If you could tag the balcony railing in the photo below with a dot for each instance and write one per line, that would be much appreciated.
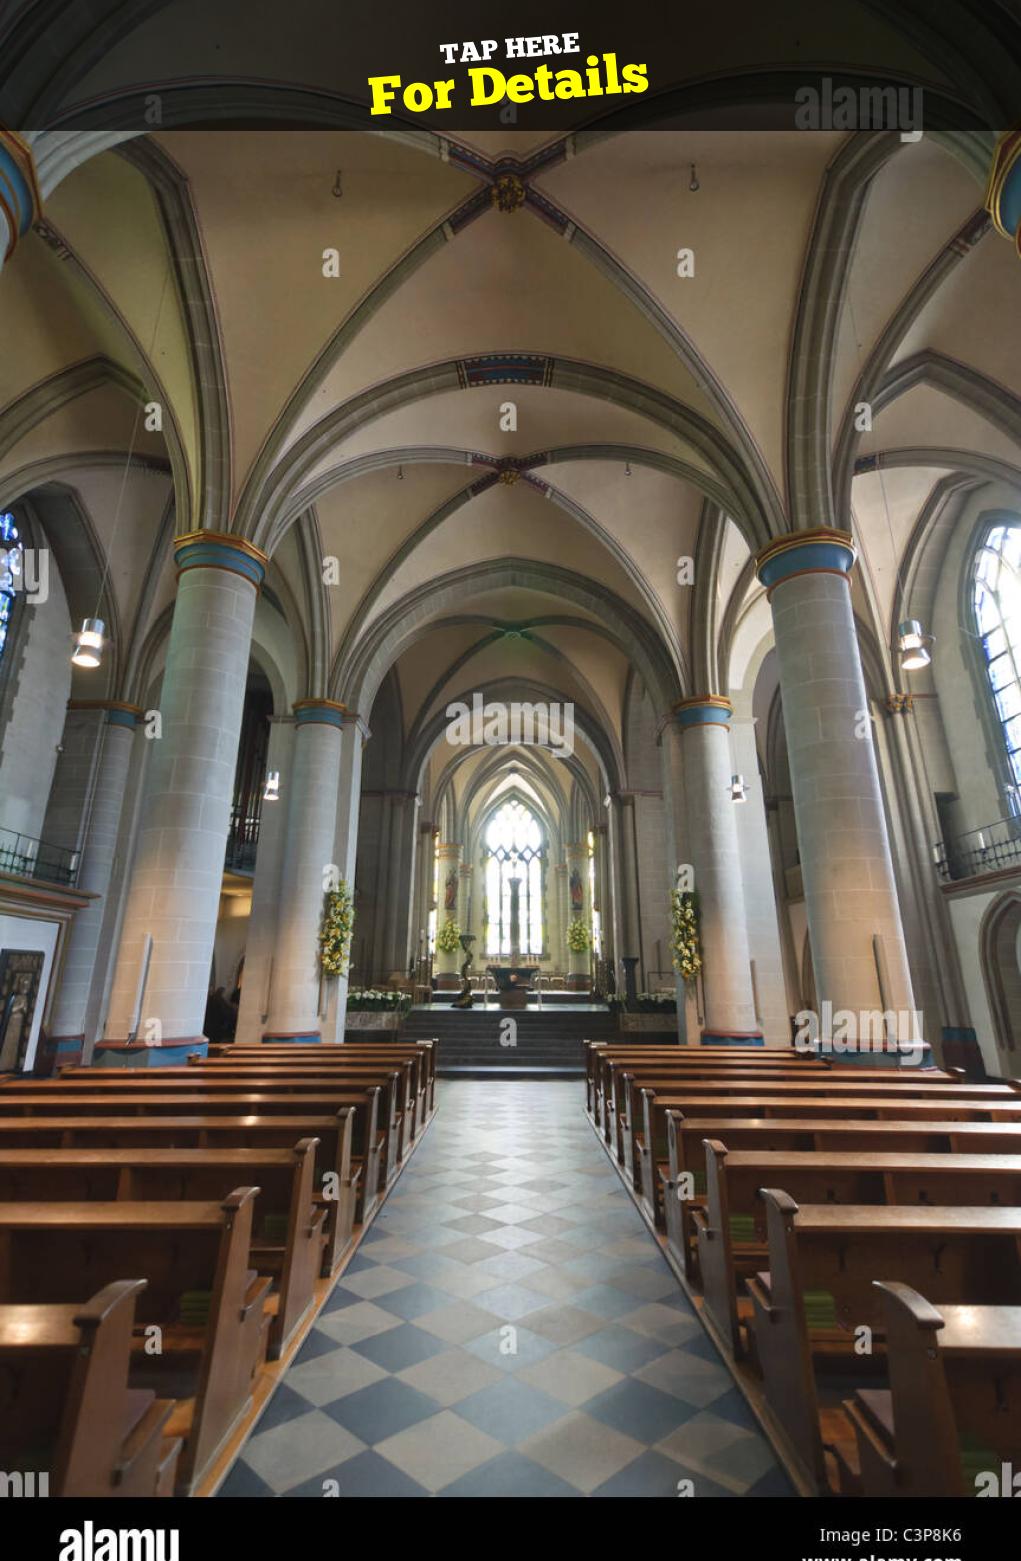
(26, 857)
(242, 842)
(991, 849)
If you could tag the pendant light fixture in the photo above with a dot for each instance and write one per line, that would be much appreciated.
(913, 645)
(88, 643)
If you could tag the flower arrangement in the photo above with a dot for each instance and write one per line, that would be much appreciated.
(335, 931)
(579, 938)
(686, 947)
(371, 999)
(448, 938)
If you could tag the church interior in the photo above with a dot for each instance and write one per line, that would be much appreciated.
(510, 812)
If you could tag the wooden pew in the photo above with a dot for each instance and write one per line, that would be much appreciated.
(686, 1136)
(951, 1418)
(289, 1241)
(601, 1060)
(346, 1201)
(66, 1410)
(619, 1074)
(424, 1052)
(905, 1104)
(421, 1081)
(201, 1294)
(730, 1228)
(163, 1084)
(642, 1128)
(818, 1293)
(371, 1136)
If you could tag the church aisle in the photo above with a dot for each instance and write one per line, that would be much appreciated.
(508, 1328)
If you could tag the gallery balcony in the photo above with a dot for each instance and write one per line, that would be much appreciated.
(25, 857)
(995, 848)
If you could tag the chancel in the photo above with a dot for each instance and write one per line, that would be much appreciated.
(510, 800)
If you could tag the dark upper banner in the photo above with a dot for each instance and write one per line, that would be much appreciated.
(905, 66)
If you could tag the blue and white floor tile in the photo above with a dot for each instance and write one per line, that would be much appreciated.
(508, 1328)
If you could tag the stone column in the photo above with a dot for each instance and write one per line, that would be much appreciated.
(579, 966)
(713, 843)
(446, 966)
(306, 871)
(401, 882)
(764, 947)
(465, 900)
(261, 942)
(354, 735)
(98, 837)
(558, 915)
(858, 949)
(424, 890)
(166, 950)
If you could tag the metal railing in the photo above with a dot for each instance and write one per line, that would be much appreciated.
(993, 848)
(242, 842)
(25, 857)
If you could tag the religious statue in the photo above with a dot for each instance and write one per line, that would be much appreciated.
(577, 892)
(450, 891)
(464, 997)
(16, 1021)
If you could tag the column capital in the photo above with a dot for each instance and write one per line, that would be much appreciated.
(449, 848)
(702, 710)
(320, 712)
(822, 551)
(20, 199)
(117, 712)
(220, 550)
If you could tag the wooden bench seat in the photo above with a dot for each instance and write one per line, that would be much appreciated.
(289, 1236)
(202, 1294)
(951, 1418)
(877, 1105)
(419, 1094)
(818, 1293)
(424, 1053)
(35, 1097)
(371, 1136)
(66, 1410)
(729, 1227)
(335, 1159)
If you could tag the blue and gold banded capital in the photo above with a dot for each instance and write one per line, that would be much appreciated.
(118, 712)
(20, 200)
(703, 710)
(220, 550)
(321, 712)
(823, 551)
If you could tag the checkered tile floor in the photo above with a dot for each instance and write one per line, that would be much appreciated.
(508, 1328)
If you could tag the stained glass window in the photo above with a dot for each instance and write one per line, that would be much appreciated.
(513, 849)
(998, 615)
(11, 574)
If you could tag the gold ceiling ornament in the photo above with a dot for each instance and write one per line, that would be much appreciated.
(509, 476)
(507, 193)
(1001, 202)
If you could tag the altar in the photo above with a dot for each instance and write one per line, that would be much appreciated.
(513, 983)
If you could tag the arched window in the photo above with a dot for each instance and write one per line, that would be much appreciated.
(997, 598)
(513, 849)
(11, 574)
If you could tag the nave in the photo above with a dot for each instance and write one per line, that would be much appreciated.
(508, 1213)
